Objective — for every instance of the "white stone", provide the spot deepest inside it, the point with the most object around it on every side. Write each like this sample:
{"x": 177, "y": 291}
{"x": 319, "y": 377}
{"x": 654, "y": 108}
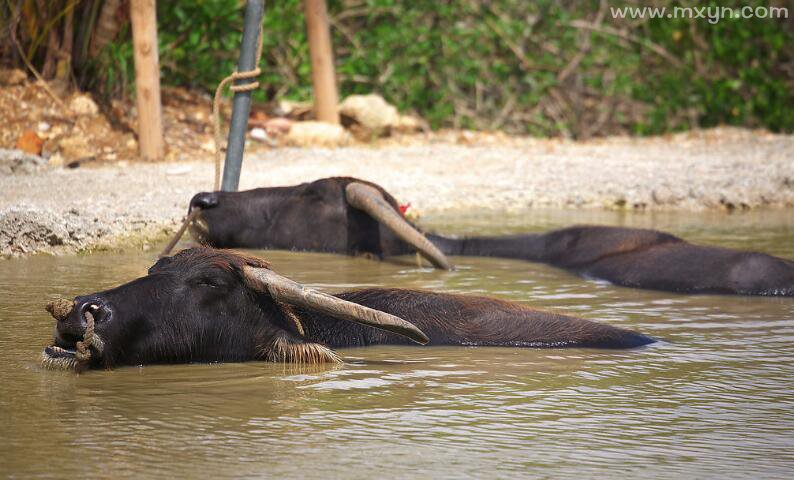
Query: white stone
{"x": 371, "y": 112}
{"x": 317, "y": 134}
{"x": 259, "y": 134}
{"x": 179, "y": 170}
{"x": 83, "y": 105}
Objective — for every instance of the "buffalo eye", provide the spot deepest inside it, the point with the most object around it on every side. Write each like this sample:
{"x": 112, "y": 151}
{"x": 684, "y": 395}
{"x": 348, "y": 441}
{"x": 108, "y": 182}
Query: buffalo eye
{"x": 208, "y": 282}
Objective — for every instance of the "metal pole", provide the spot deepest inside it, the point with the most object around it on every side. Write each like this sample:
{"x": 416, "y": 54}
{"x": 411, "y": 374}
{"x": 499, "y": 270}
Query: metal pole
{"x": 241, "y": 104}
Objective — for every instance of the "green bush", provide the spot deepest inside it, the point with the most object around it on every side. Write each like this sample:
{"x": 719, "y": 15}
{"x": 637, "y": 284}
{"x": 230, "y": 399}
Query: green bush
{"x": 544, "y": 68}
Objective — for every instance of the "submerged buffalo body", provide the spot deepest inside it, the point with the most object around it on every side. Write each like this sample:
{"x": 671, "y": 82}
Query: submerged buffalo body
{"x": 323, "y": 216}
{"x": 206, "y": 305}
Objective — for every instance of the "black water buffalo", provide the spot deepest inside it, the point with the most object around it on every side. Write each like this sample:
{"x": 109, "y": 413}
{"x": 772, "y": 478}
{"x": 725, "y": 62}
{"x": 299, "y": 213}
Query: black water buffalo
{"x": 206, "y": 305}
{"x": 347, "y": 215}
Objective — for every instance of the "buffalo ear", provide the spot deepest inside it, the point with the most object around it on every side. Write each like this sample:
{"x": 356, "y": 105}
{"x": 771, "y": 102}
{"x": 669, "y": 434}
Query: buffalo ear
{"x": 251, "y": 260}
{"x": 159, "y": 264}
{"x": 369, "y": 199}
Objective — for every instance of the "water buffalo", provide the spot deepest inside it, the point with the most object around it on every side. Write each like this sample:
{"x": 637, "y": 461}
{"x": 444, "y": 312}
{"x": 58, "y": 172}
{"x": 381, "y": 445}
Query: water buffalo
{"x": 207, "y": 305}
{"x": 347, "y": 215}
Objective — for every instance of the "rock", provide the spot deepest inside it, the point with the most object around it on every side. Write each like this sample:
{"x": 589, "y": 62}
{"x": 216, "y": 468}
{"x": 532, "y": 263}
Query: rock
{"x": 179, "y": 170}
{"x": 257, "y": 118}
{"x": 208, "y": 146}
{"x": 294, "y": 110}
{"x": 199, "y": 116}
{"x": 12, "y": 76}
{"x": 371, "y": 114}
{"x": 82, "y": 104}
{"x": 259, "y": 134}
{"x": 317, "y": 134}
{"x": 30, "y": 143}
{"x": 466, "y": 137}
{"x": 76, "y": 148}
{"x": 25, "y": 229}
{"x": 94, "y": 126}
{"x": 19, "y": 162}
{"x": 278, "y": 126}
{"x": 43, "y": 127}
{"x": 55, "y": 160}
{"x": 411, "y": 124}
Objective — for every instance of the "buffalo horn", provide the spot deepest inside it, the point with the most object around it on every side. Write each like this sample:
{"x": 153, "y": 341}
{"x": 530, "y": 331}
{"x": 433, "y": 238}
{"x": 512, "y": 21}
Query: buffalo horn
{"x": 287, "y": 291}
{"x": 370, "y": 200}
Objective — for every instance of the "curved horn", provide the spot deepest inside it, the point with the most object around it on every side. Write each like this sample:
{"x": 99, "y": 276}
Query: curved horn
{"x": 369, "y": 199}
{"x": 285, "y": 290}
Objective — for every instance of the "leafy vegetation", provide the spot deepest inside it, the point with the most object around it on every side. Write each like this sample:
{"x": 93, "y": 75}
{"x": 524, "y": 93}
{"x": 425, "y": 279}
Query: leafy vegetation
{"x": 545, "y": 68}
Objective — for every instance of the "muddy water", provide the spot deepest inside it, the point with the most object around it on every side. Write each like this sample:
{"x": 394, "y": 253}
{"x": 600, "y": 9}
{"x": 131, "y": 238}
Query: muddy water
{"x": 713, "y": 400}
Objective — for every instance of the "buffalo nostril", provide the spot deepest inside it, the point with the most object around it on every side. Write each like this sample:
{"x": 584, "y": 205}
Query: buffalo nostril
{"x": 204, "y": 200}
{"x": 95, "y": 307}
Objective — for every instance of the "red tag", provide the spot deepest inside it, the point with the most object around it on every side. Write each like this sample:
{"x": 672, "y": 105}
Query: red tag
{"x": 404, "y": 208}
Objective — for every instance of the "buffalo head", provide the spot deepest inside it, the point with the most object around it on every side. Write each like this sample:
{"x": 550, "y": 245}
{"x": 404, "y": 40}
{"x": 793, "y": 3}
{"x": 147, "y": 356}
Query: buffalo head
{"x": 201, "y": 305}
{"x": 338, "y": 215}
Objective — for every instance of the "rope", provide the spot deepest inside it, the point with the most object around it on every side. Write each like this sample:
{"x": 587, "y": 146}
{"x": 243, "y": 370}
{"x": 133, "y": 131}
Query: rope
{"x": 191, "y": 216}
{"x": 216, "y": 103}
{"x": 216, "y": 113}
{"x": 82, "y": 353}
{"x": 292, "y": 317}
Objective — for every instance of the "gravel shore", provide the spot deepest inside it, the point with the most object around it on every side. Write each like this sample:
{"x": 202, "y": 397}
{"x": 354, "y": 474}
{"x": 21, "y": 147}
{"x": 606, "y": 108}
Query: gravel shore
{"x": 61, "y": 210}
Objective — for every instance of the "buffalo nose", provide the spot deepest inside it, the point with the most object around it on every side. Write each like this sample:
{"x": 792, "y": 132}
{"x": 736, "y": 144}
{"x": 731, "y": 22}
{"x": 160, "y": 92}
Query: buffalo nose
{"x": 204, "y": 200}
{"x": 73, "y": 325}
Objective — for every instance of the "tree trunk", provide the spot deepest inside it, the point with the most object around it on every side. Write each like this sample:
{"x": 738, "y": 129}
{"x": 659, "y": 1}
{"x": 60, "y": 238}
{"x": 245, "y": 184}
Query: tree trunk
{"x": 107, "y": 28}
{"x": 147, "y": 78}
{"x": 64, "y": 68}
{"x": 326, "y": 98}
{"x": 51, "y": 55}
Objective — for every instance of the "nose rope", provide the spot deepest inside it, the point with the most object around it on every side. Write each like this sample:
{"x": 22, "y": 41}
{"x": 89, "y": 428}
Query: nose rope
{"x": 83, "y": 353}
{"x": 188, "y": 220}
{"x": 59, "y": 309}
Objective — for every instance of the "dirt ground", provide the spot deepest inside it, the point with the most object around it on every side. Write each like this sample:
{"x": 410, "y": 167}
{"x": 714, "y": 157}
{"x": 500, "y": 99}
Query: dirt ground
{"x": 94, "y": 193}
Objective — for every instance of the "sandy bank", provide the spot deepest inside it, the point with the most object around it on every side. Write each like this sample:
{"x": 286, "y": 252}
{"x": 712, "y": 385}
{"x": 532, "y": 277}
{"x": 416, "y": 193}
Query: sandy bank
{"x": 63, "y": 210}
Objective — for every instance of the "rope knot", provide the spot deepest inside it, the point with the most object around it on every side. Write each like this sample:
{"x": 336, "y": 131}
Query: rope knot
{"x": 216, "y": 103}
{"x": 244, "y": 76}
